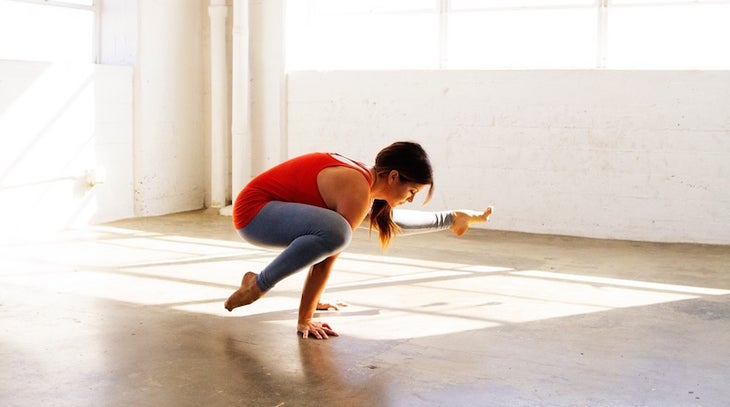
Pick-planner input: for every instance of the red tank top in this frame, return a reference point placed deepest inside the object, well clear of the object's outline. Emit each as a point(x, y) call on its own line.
point(294, 180)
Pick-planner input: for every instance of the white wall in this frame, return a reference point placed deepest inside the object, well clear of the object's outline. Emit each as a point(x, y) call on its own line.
point(170, 104)
point(144, 124)
point(58, 122)
point(612, 154)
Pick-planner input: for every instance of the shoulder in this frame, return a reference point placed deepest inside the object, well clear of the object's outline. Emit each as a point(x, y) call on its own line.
point(346, 191)
point(343, 178)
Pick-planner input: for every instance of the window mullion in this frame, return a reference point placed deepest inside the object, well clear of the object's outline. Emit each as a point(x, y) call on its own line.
point(602, 33)
point(443, 34)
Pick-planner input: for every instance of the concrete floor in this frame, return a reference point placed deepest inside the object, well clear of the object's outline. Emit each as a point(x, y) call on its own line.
point(131, 314)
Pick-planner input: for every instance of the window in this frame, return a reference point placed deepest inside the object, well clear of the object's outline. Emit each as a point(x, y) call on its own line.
point(668, 34)
point(522, 34)
point(346, 34)
point(48, 30)
point(507, 34)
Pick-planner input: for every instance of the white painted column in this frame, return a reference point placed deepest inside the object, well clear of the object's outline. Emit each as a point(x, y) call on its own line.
point(241, 168)
point(217, 11)
point(268, 87)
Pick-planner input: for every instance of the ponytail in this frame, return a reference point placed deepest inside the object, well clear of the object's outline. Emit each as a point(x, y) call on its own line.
point(381, 219)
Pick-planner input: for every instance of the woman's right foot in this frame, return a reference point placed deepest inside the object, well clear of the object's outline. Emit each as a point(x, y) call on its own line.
point(464, 218)
point(248, 293)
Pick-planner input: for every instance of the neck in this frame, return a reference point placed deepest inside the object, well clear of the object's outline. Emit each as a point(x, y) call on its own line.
point(376, 189)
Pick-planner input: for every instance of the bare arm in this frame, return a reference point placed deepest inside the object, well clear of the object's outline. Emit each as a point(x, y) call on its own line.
point(314, 286)
point(345, 191)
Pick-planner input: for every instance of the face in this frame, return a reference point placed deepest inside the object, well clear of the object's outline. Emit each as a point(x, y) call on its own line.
point(401, 191)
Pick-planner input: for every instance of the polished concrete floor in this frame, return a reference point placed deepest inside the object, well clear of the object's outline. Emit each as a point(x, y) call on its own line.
point(131, 314)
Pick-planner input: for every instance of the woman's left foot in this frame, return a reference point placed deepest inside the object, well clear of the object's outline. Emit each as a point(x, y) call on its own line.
point(248, 293)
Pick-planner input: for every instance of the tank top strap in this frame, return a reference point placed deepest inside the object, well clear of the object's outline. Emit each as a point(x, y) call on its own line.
point(354, 164)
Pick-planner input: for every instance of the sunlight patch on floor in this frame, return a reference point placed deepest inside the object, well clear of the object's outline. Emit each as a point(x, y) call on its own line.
point(391, 297)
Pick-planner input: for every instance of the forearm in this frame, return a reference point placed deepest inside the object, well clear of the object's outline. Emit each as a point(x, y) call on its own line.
point(412, 222)
point(314, 286)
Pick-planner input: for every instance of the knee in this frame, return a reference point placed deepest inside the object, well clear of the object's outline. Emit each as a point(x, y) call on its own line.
point(340, 234)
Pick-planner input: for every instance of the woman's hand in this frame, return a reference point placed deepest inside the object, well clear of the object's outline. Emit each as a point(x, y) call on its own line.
point(464, 218)
point(319, 330)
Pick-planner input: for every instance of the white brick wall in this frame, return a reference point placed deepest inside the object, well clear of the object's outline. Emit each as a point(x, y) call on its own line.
point(642, 155)
point(611, 154)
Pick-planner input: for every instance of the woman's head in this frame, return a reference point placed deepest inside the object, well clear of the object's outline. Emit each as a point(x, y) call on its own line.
point(408, 162)
point(406, 168)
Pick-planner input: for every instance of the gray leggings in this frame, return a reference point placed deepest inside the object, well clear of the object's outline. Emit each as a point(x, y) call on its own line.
point(310, 234)
point(413, 222)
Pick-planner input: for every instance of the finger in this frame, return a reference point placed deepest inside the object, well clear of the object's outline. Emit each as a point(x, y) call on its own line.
point(305, 334)
point(328, 329)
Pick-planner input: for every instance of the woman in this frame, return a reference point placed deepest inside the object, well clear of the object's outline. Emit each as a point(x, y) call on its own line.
point(311, 204)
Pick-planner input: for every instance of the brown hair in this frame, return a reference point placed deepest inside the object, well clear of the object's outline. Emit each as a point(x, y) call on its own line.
point(413, 165)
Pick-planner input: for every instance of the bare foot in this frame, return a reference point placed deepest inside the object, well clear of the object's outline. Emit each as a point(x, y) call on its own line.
point(327, 305)
point(248, 293)
point(464, 218)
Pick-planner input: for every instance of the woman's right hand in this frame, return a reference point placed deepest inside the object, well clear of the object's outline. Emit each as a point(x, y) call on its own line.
point(319, 330)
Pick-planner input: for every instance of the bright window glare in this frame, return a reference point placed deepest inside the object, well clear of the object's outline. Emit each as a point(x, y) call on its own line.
point(37, 32)
point(507, 34)
point(370, 6)
point(367, 35)
point(482, 4)
point(507, 38)
point(680, 36)
point(78, 2)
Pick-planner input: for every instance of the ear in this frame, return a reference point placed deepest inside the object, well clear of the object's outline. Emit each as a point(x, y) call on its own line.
point(392, 176)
